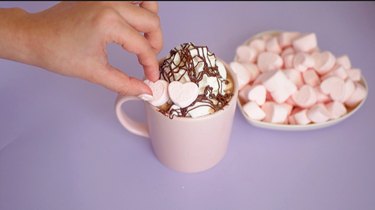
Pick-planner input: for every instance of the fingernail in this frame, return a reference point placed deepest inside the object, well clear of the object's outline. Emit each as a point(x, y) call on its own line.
point(145, 97)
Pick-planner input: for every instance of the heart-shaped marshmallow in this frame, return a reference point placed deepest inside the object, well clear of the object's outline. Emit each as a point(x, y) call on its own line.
point(242, 74)
point(334, 86)
point(183, 94)
point(159, 92)
point(257, 94)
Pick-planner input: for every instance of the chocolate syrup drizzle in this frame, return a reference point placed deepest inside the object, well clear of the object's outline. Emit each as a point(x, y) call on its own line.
point(171, 71)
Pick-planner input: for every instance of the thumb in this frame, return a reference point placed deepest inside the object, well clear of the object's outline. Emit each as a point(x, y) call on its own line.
point(115, 80)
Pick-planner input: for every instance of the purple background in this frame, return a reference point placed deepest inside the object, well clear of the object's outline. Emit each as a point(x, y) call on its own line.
point(62, 148)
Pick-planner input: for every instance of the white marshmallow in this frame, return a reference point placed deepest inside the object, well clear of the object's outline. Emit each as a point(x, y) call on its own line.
point(344, 61)
point(257, 93)
point(311, 77)
point(336, 109)
point(286, 38)
point(301, 117)
point(275, 113)
point(246, 54)
point(272, 45)
point(242, 74)
point(318, 113)
point(358, 95)
point(268, 61)
point(305, 96)
point(253, 111)
point(305, 43)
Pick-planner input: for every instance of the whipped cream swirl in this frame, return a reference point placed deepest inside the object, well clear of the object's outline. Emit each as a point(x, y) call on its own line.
point(190, 63)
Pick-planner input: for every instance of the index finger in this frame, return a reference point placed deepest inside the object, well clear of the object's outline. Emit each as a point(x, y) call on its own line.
point(155, 37)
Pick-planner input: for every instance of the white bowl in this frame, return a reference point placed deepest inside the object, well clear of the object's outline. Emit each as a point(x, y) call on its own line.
point(288, 127)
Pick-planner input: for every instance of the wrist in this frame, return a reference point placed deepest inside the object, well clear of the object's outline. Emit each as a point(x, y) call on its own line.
point(14, 33)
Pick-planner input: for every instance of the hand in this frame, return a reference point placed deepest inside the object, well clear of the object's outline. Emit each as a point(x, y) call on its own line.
point(70, 38)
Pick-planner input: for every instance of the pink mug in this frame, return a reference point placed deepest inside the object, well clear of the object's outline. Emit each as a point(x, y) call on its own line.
point(184, 144)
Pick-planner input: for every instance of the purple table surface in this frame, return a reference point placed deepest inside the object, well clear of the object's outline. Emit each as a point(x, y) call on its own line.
point(62, 147)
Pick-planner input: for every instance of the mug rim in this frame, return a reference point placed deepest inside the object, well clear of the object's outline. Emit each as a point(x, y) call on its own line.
point(232, 100)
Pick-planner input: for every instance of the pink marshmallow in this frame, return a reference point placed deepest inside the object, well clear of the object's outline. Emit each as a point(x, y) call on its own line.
point(344, 61)
point(291, 120)
point(288, 107)
point(257, 93)
point(286, 38)
point(253, 69)
point(336, 109)
point(339, 71)
point(159, 92)
point(305, 96)
point(243, 92)
point(324, 62)
point(290, 101)
point(303, 61)
point(254, 111)
point(334, 87)
point(258, 44)
point(272, 45)
point(318, 113)
point(274, 80)
point(263, 76)
point(287, 51)
point(358, 95)
point(301, 117)
point(183, 94)
point(349, 90)
point(268, 61)
point(284, 92)
point(305, 43)
point(246, 54)
point(354, 74)
point(288, 61)
point(321, 97)
point(311, 77)
point(275, 113)
point(294, 76)
point(242, 74)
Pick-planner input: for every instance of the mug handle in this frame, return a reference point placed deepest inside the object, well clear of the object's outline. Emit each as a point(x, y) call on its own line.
point(131, 125)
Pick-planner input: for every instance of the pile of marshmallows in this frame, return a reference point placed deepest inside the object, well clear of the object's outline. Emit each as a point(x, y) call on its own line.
point(284, 78)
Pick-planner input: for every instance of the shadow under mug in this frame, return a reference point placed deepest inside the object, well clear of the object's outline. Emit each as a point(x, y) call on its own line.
point(184, 144)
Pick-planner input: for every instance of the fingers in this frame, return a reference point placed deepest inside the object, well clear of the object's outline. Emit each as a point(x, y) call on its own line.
point(135, 43)
point(152, 6)
point(115, 80)
point(154, 37)
point(143, 18)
